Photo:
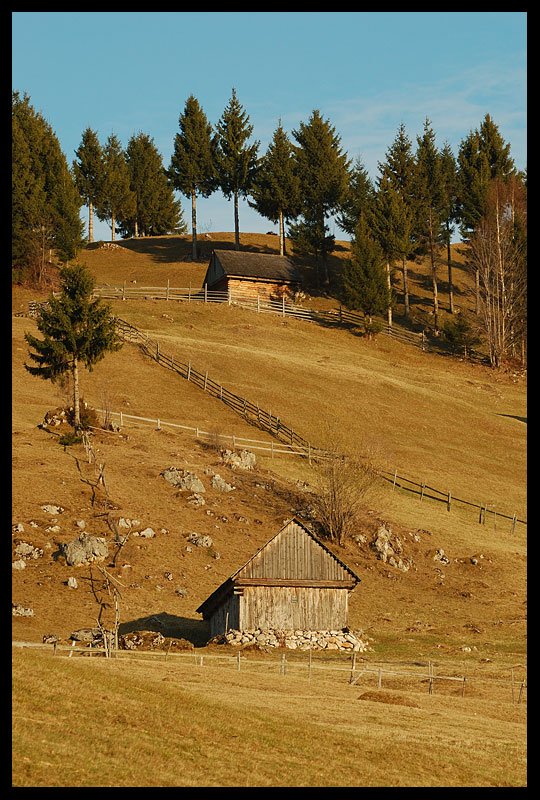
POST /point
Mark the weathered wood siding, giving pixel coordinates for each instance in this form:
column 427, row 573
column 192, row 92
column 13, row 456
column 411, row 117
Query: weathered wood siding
column 220, row 622
column 265, row 290
column 293, row 554
column 287, row 608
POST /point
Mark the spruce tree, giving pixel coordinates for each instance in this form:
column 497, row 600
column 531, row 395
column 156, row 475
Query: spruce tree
column 76, row 331
column 397, row 180
column 275, row 189
column 364, row 286
column 323, row 173
column 236, row 158
column 156, row 212
column 193, row 163
column 116, row 200
column 358, row 198
column 87, row 169
column 450, row 190
column 45, row 202
column 430, row 204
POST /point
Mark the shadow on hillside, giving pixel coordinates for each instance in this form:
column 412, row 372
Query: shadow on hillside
column 195, row 631
column 513, row 416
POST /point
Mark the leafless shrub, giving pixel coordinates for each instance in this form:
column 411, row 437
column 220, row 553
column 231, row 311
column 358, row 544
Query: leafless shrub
column 342, row 482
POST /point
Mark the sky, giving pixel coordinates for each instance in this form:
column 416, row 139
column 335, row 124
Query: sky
column 366, row 73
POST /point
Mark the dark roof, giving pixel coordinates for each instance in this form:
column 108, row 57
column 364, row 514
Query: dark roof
column 243, row 264
column 226, row 588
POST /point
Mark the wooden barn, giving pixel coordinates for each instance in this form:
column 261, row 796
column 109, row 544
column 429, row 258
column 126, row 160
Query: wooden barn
column 292, row 582
column 269, row 276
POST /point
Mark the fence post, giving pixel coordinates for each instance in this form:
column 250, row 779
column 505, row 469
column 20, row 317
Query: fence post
column 167, row 296
column 258, row 302
column 124, row 291
column 423, row 338
column 513, row 523
column 188, row 369
column 395, row 476
column 448, row 501
column 205, row 292
column 230, row 295
column 283, row 305
column 422, row 491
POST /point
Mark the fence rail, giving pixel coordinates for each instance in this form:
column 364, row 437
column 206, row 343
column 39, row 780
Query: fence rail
column 352, row 672
column 260, row 304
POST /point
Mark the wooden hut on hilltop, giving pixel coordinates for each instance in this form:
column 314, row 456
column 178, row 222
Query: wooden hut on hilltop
column 240, row 272
column 293, row 582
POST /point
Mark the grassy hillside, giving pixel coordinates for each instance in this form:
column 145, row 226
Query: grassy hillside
column 455, row 425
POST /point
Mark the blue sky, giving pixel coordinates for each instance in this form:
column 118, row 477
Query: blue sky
column 366, row 72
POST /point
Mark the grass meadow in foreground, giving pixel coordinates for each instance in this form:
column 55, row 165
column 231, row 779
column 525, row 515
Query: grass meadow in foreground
column 118, row 723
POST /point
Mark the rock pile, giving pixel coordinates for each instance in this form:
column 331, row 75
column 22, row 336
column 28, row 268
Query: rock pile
column 297, row 639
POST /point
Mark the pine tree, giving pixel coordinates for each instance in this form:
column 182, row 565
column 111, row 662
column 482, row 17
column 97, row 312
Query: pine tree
column 236, row 159
column 193, row 163
column 76, row 329
column 430, row 203
column 323, row 172
column 450, row 189
column 156, row 212
column 116, row 200
column 46, row 204
column 275, row 189
column 392, row 225
column 87, row 169
column 358, row 198
column 396, row 232
column 364, row 286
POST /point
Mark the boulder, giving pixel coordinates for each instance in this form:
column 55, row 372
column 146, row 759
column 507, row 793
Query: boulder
column 85, row 550
column 242, row 460
column 221, row 485
column 200, row 541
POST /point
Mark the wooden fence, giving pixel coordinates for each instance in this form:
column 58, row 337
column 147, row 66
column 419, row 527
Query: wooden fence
column 262, row 305
column 304, row 666
column 251, row 412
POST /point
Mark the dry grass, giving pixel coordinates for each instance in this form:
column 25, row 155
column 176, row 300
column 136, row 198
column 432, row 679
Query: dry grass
column 456, row 425
column 176, row 724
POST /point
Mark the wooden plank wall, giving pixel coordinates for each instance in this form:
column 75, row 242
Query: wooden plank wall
column 294, row 554
column 289, row 608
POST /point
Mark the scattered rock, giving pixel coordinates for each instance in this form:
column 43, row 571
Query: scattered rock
column 196, row 500
column 296, row 639
column 183, row 479
column 147, row 533
column 389, row 547
column 221, row 485
column 17, row 610
column 242, row 460
column 200, row 541
column 72, row 582
column 19, row 564
column 50, row 509
column 27, row 551
column 441, row 557
column 86, row 635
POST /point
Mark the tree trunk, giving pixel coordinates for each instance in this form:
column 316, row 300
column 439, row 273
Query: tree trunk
column 389, row 284
column 193, row 225
column 433, row 276
column 76, row 408
column 90, row 222
column 136, row 231
column 281, row 235
column 113, row 225
column 405, row 288
column 236, row 223
column 449, row 262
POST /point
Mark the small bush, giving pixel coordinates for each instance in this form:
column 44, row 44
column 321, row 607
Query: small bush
column 69, row 439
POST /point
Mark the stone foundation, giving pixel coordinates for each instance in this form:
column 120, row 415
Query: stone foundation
column 297, row 639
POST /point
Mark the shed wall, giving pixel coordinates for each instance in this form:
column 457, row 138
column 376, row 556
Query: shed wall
column 220, row 623
column 289, row 607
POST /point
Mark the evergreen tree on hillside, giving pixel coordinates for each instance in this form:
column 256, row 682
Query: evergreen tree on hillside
column 116, row 199
column 430, row 201
column 275, row 189
column 323, row 173
column 236, row 158
column 77, row 330
column 450, row 190
column 364, row 286
column 87, row 168
column 193, row 163
column 392, row 225
column 156, row 212
column 395, row 223
column 358, row 198
column 45, row 201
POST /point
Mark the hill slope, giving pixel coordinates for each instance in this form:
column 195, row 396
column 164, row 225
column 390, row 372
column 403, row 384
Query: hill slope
column 455, row 425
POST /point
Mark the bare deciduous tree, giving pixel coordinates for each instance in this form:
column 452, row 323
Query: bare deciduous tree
column 341, row 482
column 498, row 253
